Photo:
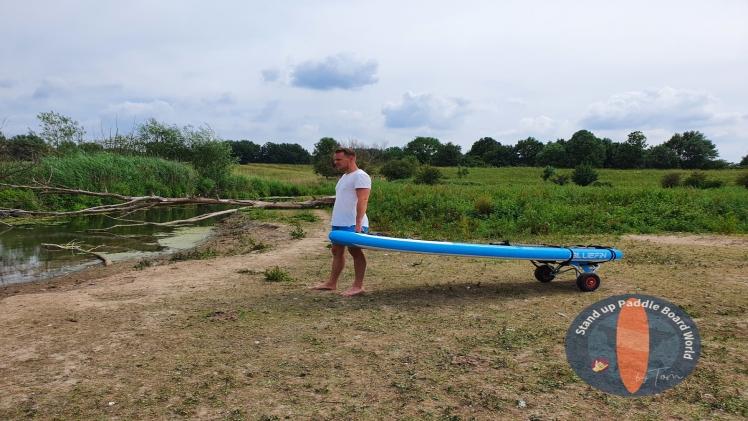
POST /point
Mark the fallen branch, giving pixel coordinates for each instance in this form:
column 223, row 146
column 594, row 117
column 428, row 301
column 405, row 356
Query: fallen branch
column 134, row 203
column 170, row 223
column 74, row 247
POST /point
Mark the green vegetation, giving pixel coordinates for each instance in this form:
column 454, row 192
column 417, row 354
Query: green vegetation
column 276, row 274
column 513, row 202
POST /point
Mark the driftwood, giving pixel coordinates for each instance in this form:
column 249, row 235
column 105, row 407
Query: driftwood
column 75, row 247
column 135, row 203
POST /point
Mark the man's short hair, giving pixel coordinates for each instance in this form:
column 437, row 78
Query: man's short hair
column 346, row 151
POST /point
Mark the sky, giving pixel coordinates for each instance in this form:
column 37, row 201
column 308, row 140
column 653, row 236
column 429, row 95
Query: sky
column 382, row 72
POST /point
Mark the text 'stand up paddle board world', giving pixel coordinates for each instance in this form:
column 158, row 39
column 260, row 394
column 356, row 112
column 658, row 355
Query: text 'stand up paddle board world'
column 502, row 251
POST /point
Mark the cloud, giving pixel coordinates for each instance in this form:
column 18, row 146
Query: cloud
column 270, row 75
column 267, row 112
column 425, row 110
column 6, row 83
column 155, row 108
column 664, row 108
column 341, row 71
column 51, row 87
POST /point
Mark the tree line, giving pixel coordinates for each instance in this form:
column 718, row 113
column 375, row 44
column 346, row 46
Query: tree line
column 61, row 134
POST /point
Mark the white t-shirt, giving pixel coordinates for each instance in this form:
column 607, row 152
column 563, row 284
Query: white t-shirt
column 344, row 209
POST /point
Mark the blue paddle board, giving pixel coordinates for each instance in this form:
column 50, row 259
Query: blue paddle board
column 520, row 252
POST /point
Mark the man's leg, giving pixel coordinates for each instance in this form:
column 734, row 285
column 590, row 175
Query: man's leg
column 359, row 264
column 338, row 262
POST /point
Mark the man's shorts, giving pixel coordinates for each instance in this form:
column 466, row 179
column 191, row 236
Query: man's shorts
column 351, row 228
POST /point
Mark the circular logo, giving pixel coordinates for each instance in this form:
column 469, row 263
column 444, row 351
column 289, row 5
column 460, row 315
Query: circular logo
column 633, row 345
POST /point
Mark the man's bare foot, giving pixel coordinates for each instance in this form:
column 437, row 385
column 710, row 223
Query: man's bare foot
column 324, row 287
column 353, row 291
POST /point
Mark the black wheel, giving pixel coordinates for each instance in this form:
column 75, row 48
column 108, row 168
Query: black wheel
column 544, row 273
column 588, row 282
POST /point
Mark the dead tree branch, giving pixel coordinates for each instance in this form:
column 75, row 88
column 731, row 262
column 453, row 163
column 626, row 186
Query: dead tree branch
column 75, row 247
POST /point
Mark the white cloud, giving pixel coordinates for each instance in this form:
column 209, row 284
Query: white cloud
column 425, row 110
column 664, row 108
column 144, row 109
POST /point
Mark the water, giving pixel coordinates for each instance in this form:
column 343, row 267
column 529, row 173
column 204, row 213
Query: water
column 25, row 260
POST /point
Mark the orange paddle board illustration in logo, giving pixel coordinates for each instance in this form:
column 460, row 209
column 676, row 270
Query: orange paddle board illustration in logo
column 632, row 345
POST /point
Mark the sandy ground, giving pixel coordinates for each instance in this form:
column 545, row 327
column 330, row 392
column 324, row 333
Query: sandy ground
column 436, row 338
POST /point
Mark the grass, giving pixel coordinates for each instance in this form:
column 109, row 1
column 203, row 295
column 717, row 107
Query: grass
column 449, row 338
column 514, row 203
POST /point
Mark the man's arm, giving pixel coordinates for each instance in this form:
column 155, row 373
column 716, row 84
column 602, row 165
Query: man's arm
column 363, row 201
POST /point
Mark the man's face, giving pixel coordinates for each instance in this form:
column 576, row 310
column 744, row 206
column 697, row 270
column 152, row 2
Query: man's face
column 342, row 162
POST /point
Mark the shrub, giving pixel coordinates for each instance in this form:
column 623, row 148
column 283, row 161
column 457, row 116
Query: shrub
column 670, row 180
column 428, row 175
column 397, row 169
column 742, row 180
column 561, row 179
column 277, row 274
column 462, row 172
column 584, row 175
column 548, row 172
column 483, row 205
column 698, row 180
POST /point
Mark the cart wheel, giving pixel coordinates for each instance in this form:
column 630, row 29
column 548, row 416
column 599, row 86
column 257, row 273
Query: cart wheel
column 544, row 273
column 588, row 282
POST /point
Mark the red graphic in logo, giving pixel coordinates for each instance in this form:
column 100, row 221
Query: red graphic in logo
column 600, row 364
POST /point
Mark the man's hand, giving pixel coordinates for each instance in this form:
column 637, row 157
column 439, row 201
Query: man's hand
column 358, row 227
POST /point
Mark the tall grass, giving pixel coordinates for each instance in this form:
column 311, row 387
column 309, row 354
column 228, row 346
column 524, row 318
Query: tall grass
column 450, row 212
column 131, row 175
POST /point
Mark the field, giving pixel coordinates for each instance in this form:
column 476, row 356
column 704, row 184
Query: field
column 436, row 338
column 515, row 204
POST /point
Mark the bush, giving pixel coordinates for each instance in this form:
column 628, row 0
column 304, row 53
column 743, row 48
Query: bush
column 548, row 172
column 462, row 172
column 397, row 169
column 484, row 206
column 428, row 175
column 670, row 180
column 742, row 180
column 561, row 179
column 698, row 180
column 584, row 175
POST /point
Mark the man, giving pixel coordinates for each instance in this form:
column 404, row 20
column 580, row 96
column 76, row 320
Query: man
column 349, row 214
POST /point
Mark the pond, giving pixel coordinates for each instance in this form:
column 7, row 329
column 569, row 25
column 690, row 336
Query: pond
column 25, row 260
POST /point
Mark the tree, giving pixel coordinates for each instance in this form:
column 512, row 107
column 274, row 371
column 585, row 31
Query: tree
column 246, row 151
column 553, row 154
column 585, row 148
column 500, row 156
column 393, row 152
column 57, row 128
column 158, row 139
column 526, row 151
column 483, row 147
column 447, row 155
column 423, row 148
column 629, row 154
column 693, row 149
column 284, row 153
column 322, row 157
column 744, row 162
column 661, row 156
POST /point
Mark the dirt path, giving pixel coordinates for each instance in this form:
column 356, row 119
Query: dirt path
column 155, row 283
